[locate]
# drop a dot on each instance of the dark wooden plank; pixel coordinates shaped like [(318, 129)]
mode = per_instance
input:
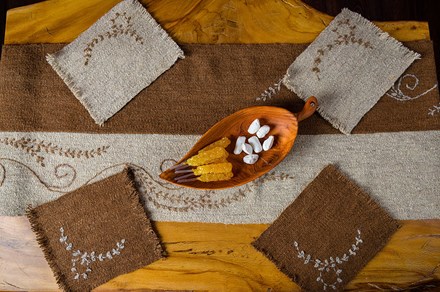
[(3, 10)]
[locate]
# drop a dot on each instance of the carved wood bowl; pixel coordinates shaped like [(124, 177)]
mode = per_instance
[(284, 127)]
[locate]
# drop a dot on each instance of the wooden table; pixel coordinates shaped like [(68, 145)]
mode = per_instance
[(214, 257)]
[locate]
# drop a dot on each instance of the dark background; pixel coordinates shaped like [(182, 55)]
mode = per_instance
[(381, 10), (390, 10)]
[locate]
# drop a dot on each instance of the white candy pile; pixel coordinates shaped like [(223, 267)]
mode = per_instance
[(254, 144)]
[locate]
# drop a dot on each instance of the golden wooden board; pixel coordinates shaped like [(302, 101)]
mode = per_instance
[(202, 256)]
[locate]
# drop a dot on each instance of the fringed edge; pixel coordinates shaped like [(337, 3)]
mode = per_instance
[(389, 40), (278, 265), (172, 58), (163, 34), (339, 176), (135, 198), (382, 34), (51, 59), (43, 242), (335, 123), (344, 178)]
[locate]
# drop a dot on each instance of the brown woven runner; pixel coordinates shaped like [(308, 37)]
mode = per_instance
[(330, 232), (211, 83), (95, 233)]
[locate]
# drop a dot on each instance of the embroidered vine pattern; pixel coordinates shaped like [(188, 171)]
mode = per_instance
[(82, 260), (177, 201), (412, 82), (434, 110), (271, 91), (161, 195), (37, 149), (326, 266), (62, 171), (343, 38), (121, 25)]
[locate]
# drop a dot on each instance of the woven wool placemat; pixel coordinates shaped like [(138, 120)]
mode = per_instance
[(348, 67), (328, 234), (34, 98), (113, 60), (95, 233)]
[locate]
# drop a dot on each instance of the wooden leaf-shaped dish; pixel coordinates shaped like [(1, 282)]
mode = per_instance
[(284, 127)]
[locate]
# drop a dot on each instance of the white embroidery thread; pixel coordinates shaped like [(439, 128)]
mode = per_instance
[(87, 258), (330, 264), (435, 109), (271, 91), (396, 92)]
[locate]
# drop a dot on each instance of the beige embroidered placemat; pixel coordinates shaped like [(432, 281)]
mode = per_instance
[(117, 57), (95, 233), (348, 67), (328, 234)]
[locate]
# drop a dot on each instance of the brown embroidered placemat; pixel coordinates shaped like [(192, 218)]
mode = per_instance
[(95, 233), (328, 234), (34, 98)]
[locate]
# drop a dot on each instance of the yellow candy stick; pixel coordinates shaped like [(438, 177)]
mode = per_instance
[(213, 168), (208, 177), (208, 156), (223, 142)]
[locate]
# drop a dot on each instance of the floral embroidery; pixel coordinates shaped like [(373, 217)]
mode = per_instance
[(172, 198), (271, 91), (344, 37), (81, 261), (396, 92), (121, 25), (37, 149), (162, 195), (326, 266), (435, 109)]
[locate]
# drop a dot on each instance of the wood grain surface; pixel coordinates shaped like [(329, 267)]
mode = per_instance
[(212, 257), (195, 21), (217, 257)]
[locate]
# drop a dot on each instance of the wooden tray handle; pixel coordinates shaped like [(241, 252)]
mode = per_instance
[(308, 109)]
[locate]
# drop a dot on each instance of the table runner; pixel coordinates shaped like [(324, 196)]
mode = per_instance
[(399, 170), (36, 129)]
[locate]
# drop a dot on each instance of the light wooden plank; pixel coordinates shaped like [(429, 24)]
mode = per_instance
[(219, 257)]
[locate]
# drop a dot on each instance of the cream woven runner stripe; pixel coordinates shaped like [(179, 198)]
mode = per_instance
[(400, 170)]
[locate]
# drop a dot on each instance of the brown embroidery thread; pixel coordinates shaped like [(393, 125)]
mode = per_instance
[(154, 190), (183, 203), (36, 147), (60, 171), (117, 29), (342, 39)]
